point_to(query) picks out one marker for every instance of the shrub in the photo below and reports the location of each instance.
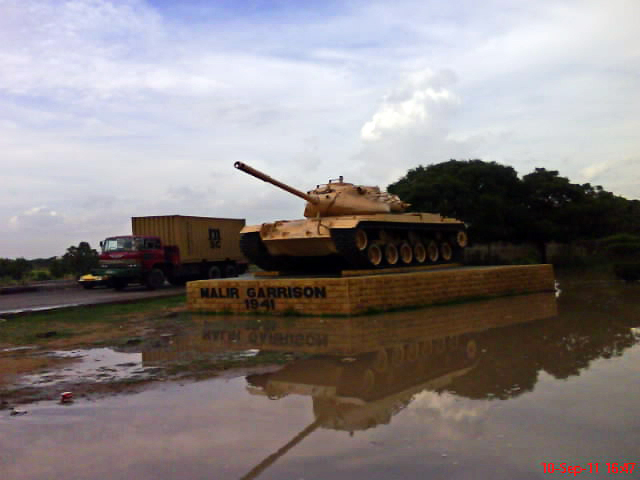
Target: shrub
(619, 238)
(41, 275)
(623, 245)
(621, 249)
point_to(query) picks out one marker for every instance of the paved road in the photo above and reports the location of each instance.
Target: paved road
(53, 299)
(52, 296)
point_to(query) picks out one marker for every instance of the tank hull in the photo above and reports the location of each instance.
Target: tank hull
(327, 244)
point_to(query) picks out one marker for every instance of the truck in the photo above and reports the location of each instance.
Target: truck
(177, 248)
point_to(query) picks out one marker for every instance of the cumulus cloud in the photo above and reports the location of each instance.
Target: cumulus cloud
(413, 126)
(417, 104)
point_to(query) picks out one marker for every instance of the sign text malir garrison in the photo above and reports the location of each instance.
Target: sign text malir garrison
(268, 292)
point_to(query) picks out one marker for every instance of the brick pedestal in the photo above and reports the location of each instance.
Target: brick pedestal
(369, 293)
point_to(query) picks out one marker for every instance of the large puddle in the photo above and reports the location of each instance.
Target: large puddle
(521, 387)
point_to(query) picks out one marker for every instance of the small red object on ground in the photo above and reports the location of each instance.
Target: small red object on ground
(66, 397)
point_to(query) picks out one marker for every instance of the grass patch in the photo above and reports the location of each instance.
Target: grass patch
(87, 324)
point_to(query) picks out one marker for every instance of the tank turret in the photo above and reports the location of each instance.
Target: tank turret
(350, 226)
(337, 197)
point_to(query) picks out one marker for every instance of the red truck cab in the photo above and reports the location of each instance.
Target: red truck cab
(131, 259)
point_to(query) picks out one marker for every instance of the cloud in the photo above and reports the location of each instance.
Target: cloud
(415, 105)
(35, 219)
(446, 406)
(608, 173)
(413, 125)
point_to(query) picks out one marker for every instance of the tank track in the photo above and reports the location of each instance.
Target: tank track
(397, 234)
(350, 256)
(345, 242)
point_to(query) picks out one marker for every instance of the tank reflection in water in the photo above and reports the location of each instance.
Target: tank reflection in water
(487, 389)
(361, 371)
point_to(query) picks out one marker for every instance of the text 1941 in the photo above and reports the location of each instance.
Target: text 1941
(255, 304)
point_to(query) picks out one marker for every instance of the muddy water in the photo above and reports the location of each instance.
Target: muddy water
(489, 389)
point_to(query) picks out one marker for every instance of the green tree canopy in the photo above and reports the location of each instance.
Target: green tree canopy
(488, 196)
(14, 269)
(498, 205)
(80, 259)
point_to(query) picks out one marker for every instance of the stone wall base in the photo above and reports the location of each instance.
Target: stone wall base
(365, 294)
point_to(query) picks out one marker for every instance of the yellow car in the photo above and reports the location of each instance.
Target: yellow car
(89, 281)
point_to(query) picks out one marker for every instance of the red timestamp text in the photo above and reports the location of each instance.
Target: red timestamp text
(606, 467)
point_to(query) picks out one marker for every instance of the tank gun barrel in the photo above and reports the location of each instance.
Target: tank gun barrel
(266, 178)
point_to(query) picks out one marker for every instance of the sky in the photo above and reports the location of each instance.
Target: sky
(114, 109)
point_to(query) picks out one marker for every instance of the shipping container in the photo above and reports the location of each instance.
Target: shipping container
(199, 239)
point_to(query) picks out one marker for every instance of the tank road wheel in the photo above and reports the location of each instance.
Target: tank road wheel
(367, 382)
(374, 254)
(397, 356)
(406, 253)
(348, 242)
(419, 252)
(381, 361)
(391, 254)
(471, 349)
(446, 251)
(461, 239)
(412, 352)
(433, 252)
(214, 272)
(361, 239)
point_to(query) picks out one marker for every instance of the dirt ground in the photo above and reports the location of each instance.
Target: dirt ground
(97, 351)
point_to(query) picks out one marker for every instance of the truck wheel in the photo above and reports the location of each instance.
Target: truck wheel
(230, 271)
(155, 279)
(214, 272)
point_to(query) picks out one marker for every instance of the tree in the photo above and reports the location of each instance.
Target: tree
(540, 208)
(486, 195)
(57, 268)
(565, 211)
(15, 269)
(551, 202)
(80, 259)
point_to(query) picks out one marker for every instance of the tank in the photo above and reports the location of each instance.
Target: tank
(349, 226)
